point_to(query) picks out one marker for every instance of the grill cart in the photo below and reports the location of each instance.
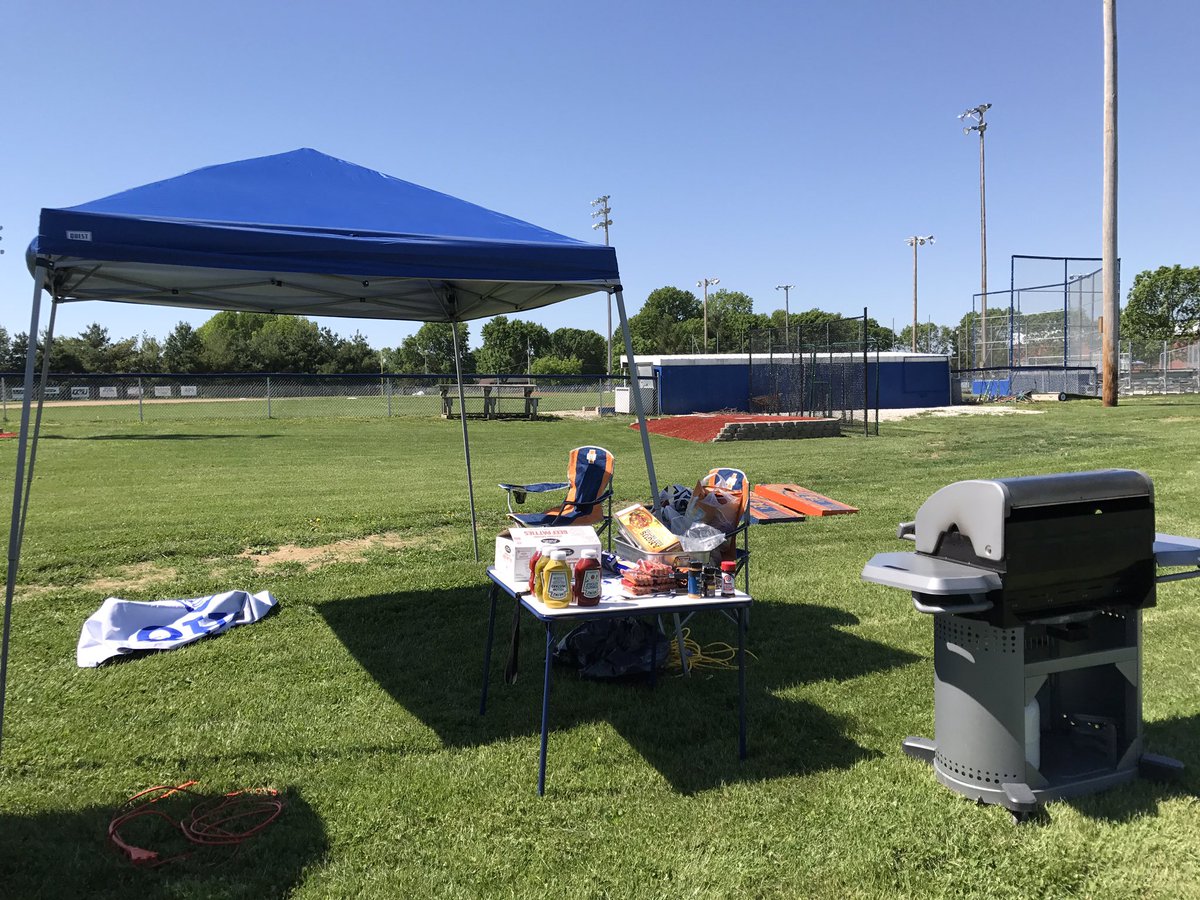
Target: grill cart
(1036, 587)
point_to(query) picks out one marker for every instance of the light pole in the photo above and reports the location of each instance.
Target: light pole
(975, 114)
(787, 316)
(600, 211)
(916, 241)
(1110, 264)
(704, 283)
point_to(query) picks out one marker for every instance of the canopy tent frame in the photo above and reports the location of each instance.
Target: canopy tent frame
(70, 277)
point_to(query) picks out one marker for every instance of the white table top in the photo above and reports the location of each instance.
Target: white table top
(612, 603)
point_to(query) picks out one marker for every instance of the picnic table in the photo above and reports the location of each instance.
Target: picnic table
(490, 396)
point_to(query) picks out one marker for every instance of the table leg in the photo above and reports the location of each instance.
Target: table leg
(545, 712)
(683, 661)
(654, 630)
(741, 617)
(487, 653)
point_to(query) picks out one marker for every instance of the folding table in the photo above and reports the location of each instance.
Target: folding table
(612, 605)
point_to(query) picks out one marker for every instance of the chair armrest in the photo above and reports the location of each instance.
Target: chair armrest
(518, 491)
(540, 488)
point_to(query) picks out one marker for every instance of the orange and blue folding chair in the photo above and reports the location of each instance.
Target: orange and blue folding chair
(589, 493)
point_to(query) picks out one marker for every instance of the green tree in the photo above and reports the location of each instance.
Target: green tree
(556, 365)
(286, 344)
(183, 350)
(730, 318)
(149, 355)
(226, 338)
(353, 354)
(931, 338)
(430, 349)
(589, 347)
(1163, 305)
(507, 345)
(653, 329)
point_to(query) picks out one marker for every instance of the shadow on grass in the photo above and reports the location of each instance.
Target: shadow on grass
(1178, 738)
(686, 728)
(154, 437)
(67, 854)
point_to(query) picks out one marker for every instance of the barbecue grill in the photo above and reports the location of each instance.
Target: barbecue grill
(1036, 586)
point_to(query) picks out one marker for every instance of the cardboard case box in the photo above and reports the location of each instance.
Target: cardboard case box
(516, 546)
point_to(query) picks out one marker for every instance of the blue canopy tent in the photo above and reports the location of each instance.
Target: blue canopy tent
(298, 233)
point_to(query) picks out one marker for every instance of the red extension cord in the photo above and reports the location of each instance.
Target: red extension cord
(227, 820)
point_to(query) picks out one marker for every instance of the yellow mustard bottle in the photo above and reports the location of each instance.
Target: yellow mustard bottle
(539, 570)
(556, 581)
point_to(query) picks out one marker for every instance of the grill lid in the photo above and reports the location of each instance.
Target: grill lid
(979, 508)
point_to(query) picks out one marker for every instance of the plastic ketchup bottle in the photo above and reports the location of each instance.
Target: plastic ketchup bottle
(587, 579)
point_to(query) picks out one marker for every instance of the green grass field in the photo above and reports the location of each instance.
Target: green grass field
(359, 699)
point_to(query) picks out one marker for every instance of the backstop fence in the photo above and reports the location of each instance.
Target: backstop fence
(820, 371)
(163, 397)
(1042, 335)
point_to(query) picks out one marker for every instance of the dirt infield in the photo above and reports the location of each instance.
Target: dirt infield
(703, 427)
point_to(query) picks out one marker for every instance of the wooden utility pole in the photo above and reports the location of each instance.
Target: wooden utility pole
(1112, 302)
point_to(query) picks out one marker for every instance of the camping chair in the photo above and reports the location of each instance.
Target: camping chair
(589, 494)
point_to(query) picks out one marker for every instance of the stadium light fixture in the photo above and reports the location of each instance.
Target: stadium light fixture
(975, 114)
(600, 211)
(787, 316)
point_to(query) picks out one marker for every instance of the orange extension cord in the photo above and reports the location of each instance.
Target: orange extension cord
(218, 821)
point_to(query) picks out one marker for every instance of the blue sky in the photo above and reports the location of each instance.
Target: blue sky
(762, 143)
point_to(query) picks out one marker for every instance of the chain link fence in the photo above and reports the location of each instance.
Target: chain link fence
(823, 374)
(1159, 367)
(158, 397)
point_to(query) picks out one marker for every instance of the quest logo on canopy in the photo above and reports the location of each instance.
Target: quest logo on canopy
(79, 235)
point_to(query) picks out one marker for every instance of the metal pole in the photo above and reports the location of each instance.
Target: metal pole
(268, 396)
(1112, 319)
(982, 247)
(866, 388)
(37, 422)
(4, 397)
(914, 332)
(462, 415)
(637, 398)
(14, 530)
(141, 417)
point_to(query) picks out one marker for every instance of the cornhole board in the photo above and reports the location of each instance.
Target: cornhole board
(803, 500)
(767, 512)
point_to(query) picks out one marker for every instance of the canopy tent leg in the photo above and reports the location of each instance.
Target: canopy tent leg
(14, 531)
(462, 414)
(37, 420)
(637, 401)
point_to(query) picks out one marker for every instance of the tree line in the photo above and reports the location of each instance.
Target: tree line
(1163, 305)
(259, 342)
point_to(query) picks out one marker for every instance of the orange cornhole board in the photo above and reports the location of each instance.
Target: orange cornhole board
(803, 500)
(767, 512)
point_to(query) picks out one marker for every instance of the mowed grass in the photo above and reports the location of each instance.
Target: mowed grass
(359, 699)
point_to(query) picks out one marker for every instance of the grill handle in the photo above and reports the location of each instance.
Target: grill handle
(907, 531)
(978, 603)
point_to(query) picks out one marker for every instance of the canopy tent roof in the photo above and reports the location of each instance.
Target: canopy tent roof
(304, 233)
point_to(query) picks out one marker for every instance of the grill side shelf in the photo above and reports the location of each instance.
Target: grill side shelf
(935, 577)
(1172, 550)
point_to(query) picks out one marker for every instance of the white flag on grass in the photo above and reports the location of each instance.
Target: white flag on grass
(127, 626)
